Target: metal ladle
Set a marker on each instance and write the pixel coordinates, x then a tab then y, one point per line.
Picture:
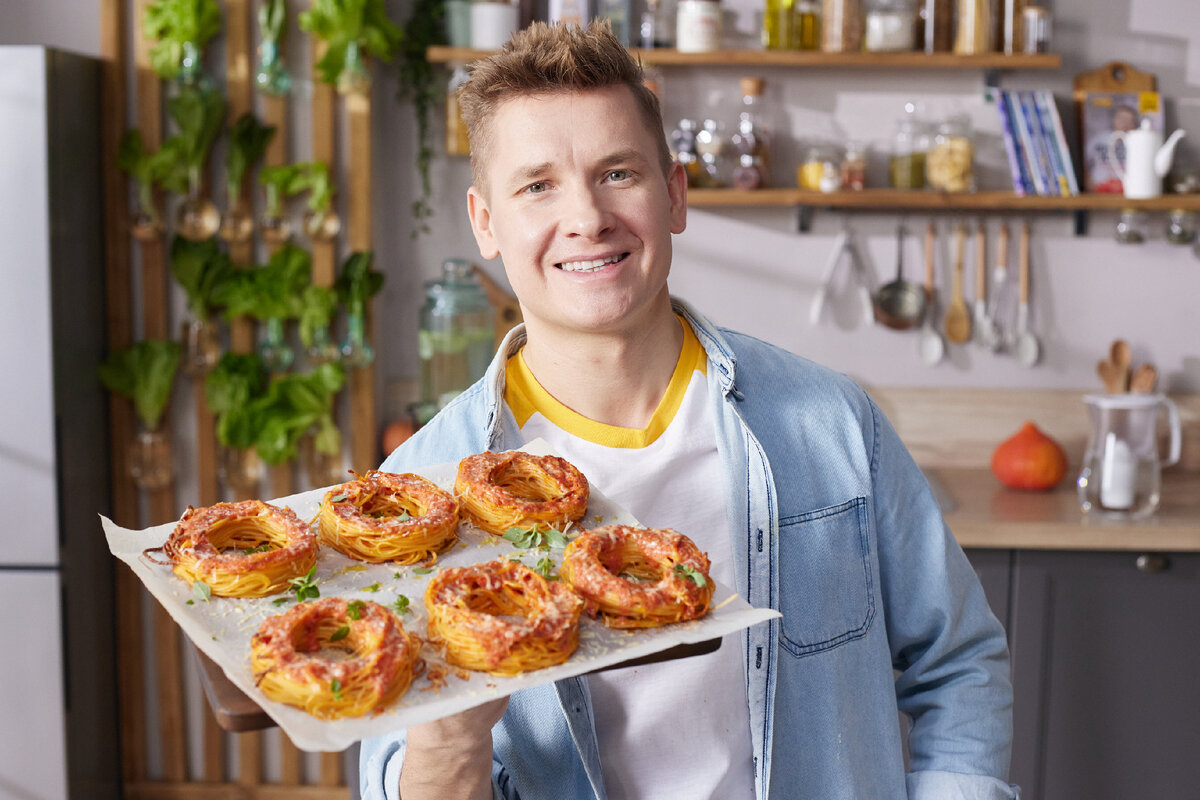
900	304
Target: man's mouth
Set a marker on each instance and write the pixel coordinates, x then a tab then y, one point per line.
592	265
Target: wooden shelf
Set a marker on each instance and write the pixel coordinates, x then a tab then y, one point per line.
886	199
816	60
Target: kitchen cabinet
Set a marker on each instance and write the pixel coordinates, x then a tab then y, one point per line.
1104	652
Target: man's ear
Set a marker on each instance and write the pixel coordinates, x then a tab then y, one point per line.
481	224
677	192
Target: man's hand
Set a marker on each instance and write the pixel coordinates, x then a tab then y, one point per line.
451	758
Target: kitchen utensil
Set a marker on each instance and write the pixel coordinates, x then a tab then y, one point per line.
1112	377
1144	379
1147	159
900	304
1121	473
985	328
958	318
1026	345
843	245
1001	294
930	346
1121	356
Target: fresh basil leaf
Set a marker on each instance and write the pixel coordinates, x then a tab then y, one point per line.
694	575
354	609
423	570
338	498
374	587
201	591
340	633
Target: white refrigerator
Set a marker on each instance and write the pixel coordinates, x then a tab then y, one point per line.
58	729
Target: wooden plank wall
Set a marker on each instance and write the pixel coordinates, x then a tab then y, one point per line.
160	759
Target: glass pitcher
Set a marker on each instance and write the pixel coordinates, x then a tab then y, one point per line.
456	338
1122	472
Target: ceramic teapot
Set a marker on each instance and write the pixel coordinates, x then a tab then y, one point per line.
1147	159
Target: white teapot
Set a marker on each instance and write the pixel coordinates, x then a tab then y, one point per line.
1147	159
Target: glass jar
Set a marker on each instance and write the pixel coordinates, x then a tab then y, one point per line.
1181	226
457	141
910	144
748	174
854	167
698	26
201	346
821	169
974	34
806	25
457	333
949	166
710	146
841	26
777	24
889	26
753	134
150	463
935	26
239	471
1131	226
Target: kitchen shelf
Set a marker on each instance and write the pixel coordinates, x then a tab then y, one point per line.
901	199
806	59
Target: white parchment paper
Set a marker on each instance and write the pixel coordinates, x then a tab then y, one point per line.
221	627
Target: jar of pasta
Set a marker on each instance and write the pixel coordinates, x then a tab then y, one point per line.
949	166
890	26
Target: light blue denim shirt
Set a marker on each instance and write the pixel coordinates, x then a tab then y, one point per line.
833	525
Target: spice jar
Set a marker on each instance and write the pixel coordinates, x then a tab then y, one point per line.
1181	226
854	167
890	26
841	26
949	164
910	143
698	26
974	27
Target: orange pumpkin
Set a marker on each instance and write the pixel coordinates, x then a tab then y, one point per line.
1029	460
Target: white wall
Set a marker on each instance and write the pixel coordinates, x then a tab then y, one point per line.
749	269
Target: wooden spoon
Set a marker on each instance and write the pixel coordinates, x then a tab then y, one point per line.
1121	356
958	316
1112	376
1144	379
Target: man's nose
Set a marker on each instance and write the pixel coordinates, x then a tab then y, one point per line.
587	213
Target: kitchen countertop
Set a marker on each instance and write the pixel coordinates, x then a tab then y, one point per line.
983	513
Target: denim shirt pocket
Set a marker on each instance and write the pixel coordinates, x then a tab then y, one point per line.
826	590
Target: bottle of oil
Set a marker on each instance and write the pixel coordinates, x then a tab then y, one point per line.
805	25
777	24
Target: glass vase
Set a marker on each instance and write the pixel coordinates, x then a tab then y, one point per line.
237	223
191	67
150	460
322	469
272	76
197	218
322	349
356	350
322	226
276	354
275	227
354	77
239	471
145	223
201	346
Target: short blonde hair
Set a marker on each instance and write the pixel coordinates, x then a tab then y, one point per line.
547	59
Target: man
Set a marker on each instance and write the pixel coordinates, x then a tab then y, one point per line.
783	471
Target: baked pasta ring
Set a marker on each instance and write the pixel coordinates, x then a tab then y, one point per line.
293	659
667	579
243	549
499	491
384	516
502	617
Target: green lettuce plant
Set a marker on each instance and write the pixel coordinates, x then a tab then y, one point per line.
144	373
248	142
348	28
294	405
149	169
201	268
179	30
232	389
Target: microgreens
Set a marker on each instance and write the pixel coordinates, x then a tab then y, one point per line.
545	567
401	604
306	587
694	575
335	686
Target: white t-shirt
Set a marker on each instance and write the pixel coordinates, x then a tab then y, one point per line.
678	728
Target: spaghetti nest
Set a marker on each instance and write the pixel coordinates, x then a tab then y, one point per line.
638	577
388	517
334	658
502	617
518	490
243	549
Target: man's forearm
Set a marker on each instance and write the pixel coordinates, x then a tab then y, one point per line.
447	771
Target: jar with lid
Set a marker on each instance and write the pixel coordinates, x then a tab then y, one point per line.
841	26
974	31
890	26
854	167
1181	226
698	26
456	339
935	26
910	144
753	133
949	166
821	169
748	174
710	146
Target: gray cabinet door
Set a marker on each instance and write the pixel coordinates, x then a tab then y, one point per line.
1106	671
994	568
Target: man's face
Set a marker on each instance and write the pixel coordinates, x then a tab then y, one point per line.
577	204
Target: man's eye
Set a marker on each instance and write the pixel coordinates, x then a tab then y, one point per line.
618	174
536	188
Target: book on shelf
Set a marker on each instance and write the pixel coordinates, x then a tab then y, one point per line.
1041	155
1039	160
1022	185
1058	141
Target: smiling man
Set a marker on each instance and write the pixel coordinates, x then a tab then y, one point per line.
783	471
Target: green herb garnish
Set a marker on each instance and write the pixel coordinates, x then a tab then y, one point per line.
338	498
423	570
278	601
340	633
201	591
335	686
306	587
529	538
354	609
401	604
545	567
694	575
374	587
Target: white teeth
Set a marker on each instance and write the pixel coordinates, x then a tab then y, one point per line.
588	266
